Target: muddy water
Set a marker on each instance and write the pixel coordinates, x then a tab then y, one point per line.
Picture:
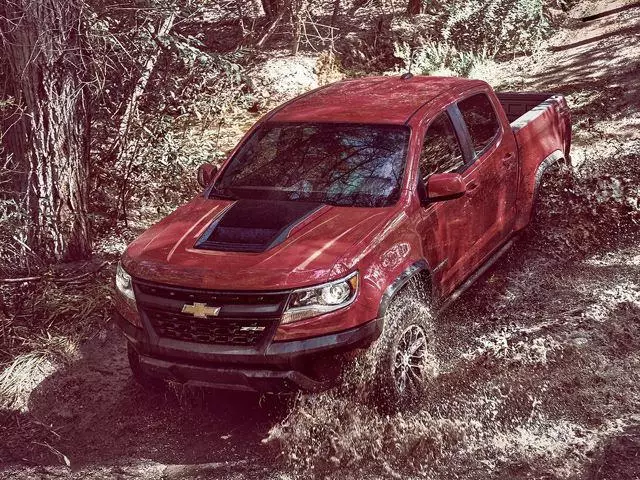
538	362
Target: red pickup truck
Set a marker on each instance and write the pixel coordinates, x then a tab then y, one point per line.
304	239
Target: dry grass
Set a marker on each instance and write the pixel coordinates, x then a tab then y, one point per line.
42	327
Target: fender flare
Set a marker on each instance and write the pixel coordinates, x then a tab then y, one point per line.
417	267
553	158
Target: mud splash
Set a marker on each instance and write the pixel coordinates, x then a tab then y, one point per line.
538	362
591	210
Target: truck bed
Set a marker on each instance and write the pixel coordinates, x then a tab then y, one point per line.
516	105
541	123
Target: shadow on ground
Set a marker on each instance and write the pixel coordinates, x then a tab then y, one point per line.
94	413
595	64
620	458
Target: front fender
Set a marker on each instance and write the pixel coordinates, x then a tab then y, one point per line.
416	268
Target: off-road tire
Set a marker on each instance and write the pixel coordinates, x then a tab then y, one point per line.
147	382
405	365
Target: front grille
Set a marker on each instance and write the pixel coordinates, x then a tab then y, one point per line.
243	319
210	296
205	330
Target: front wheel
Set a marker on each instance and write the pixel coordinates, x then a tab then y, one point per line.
406	365
410	360
401	365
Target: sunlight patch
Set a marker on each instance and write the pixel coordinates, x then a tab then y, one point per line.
564	445
607	300
21	377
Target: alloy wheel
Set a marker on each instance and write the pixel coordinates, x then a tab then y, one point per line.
410	360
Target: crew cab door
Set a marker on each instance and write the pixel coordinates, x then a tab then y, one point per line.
444	225
459	234
491	174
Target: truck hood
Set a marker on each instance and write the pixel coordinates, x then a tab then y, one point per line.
182	249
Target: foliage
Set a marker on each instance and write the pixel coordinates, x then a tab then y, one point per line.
174	127
438	58
15	255
463	34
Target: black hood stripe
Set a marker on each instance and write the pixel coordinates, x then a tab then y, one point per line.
254	225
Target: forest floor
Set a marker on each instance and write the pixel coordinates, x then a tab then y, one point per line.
540	359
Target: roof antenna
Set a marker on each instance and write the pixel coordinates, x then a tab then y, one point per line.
408	75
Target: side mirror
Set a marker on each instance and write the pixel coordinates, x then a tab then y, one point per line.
444	186
205	174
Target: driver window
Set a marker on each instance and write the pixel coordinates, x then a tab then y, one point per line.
441	151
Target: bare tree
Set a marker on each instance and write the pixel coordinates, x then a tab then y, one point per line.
293	11
299	10
49	140
122	150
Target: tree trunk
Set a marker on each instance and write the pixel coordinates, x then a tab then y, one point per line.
415	7
336	12
50	140
271	8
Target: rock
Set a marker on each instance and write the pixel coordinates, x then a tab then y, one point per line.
64	413
283	78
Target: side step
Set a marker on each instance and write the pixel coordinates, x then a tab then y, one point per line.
475	275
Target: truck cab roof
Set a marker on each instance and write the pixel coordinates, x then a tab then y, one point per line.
370	100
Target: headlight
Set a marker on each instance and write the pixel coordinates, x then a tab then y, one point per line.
309	302
123	283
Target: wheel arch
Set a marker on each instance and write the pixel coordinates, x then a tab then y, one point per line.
418	269
554	158
531	185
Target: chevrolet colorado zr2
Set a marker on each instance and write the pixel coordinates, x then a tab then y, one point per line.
298	250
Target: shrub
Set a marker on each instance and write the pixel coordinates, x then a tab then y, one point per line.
439	58
465	33
15	255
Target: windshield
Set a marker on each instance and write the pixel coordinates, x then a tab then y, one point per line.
339	164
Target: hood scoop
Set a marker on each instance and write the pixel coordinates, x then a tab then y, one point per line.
254	225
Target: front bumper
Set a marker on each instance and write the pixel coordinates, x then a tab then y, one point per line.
285	366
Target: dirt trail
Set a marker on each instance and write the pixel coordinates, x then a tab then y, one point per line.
545	382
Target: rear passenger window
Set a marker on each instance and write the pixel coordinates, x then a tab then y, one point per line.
440	151
481	120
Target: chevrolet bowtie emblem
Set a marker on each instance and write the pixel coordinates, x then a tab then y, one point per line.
201	310
252	329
